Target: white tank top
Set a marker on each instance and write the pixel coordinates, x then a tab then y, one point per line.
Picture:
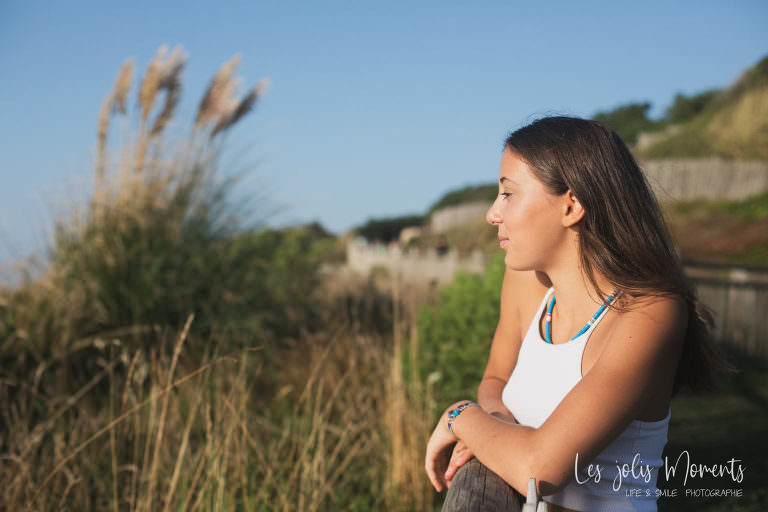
543	375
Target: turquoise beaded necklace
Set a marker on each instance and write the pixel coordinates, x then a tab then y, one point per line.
548	325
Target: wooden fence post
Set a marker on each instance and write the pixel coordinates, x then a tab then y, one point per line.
475	488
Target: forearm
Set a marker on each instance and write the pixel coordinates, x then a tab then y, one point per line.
489	397
509	450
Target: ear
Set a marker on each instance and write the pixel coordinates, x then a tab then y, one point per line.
572	209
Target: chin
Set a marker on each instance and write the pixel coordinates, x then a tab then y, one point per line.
514	264
510	263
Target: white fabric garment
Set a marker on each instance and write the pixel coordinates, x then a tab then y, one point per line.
543	376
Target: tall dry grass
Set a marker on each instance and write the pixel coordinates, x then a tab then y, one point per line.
162	237
344	430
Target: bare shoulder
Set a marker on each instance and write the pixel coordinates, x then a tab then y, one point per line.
515	293
657	310
653	327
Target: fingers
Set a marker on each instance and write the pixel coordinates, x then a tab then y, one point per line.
434	478
453	468
449	474
439	448
435	463
461	456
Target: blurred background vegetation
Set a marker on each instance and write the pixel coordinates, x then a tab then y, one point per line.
728	123
176	354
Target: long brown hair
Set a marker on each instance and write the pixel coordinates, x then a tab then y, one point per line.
622	235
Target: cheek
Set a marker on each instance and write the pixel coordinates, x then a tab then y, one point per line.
516	220
528	227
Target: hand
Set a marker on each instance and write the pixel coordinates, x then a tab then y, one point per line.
440	467
439	452
461	455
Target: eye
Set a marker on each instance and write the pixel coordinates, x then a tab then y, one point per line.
506	194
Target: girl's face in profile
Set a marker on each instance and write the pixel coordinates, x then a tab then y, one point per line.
527	217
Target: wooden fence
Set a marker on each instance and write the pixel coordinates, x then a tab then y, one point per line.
738	297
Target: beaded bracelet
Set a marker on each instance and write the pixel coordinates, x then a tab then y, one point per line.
453	413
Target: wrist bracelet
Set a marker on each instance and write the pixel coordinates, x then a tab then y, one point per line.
453	413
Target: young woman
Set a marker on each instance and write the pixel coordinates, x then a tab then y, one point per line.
598	328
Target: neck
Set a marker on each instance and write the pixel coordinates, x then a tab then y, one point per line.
576	298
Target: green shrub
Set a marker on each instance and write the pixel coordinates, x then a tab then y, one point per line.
387	230
629	121
684	108
455	334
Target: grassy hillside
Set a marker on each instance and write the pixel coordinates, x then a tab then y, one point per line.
467	195
734	232
733	124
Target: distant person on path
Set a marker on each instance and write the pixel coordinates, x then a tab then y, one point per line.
598	328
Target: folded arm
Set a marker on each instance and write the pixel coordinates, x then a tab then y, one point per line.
644	347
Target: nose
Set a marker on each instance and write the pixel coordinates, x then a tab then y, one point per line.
492	216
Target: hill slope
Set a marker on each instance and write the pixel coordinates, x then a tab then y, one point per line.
733	124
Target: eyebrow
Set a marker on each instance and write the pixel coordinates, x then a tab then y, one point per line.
501	180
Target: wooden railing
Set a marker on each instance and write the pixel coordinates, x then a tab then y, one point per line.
475	488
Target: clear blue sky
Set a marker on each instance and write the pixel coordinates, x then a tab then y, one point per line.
375	108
